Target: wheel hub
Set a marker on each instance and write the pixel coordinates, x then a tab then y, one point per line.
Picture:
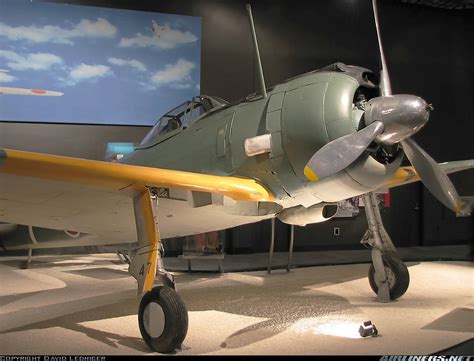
154	319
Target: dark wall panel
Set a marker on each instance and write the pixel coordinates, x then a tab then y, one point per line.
83	141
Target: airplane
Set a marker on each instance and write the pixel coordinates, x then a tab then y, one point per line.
156	28
291	152
22	91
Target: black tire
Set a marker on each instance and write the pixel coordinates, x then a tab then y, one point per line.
175	319
398	280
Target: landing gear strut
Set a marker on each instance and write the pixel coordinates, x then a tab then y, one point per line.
26	264
162	315
388	275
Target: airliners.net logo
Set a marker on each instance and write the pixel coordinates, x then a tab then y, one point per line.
427	358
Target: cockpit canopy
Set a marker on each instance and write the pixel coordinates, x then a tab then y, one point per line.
183	116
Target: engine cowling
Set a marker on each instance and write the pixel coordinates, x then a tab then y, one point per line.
320	107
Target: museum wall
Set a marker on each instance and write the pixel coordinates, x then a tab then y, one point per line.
429	53
72	140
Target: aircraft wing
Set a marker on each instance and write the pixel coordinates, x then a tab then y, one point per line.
38	92
95	197
405	175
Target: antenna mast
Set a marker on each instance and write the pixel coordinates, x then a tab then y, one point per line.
257	52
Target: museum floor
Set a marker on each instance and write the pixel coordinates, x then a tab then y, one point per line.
88	305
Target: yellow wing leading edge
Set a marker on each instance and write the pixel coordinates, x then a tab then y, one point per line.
124	176
406	175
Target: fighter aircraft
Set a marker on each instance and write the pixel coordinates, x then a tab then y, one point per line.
292	152
22	91
156	28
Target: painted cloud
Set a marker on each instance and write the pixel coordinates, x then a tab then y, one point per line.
99	28
6	78
35	61
177	75
135	64
88	72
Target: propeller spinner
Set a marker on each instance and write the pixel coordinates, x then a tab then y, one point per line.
389	119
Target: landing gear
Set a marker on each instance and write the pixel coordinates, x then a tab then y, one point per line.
388	275
122	257
162	315
163	319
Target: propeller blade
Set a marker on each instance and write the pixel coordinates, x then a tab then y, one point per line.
341	152
385	86
432	176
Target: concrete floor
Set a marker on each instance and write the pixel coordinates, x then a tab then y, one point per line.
87	305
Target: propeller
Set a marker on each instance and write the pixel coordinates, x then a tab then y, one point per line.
432	176
389	119
336	155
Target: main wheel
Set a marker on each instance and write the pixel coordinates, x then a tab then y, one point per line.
397	274
163	319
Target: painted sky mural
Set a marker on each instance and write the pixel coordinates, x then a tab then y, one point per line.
110	65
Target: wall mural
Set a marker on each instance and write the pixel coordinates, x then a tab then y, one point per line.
112	66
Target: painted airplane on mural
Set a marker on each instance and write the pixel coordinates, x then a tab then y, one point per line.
156	28
291	152
22	91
